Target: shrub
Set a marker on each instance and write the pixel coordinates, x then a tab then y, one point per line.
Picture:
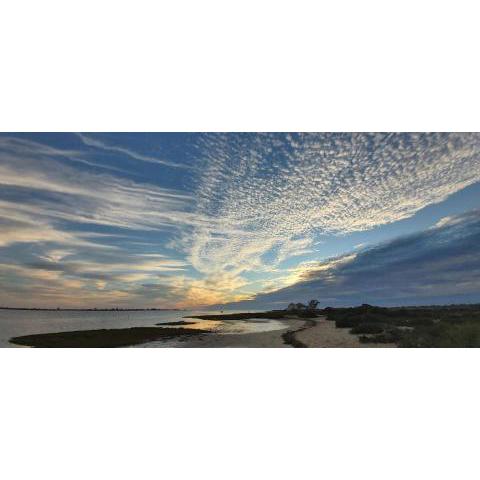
306	314
444	335
367	328
347	322
393	335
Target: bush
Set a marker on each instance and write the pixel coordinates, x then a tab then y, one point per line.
449	326
347	322
367	328
350	320
415	322
391	336
444	335
306	314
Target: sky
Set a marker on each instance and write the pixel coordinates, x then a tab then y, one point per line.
245	220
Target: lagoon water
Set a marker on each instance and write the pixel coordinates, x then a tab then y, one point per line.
15	323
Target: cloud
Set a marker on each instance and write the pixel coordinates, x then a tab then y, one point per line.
250	204
40	190
101	283
51	207
276	192
31	230
24	147
93	142
439	265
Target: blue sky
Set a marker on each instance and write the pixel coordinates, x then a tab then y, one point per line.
252	220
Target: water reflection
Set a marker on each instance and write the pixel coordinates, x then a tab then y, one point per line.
231	327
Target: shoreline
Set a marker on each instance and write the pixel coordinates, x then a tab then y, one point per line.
290	337
265	339
314	332
298	332
365	326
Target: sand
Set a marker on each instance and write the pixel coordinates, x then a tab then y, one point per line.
325	335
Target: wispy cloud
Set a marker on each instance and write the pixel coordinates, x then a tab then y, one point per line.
24	147
47	189
54	208
90	141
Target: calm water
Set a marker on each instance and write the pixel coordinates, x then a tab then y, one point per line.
14	323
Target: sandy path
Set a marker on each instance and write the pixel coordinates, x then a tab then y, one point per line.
325	335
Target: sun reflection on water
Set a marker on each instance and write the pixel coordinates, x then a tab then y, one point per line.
238	326
232	326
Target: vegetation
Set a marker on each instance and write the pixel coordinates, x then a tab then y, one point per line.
179	322
368	328
448	326
444	335
103	338
272	315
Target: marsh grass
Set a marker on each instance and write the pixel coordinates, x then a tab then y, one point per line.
447	327
104	338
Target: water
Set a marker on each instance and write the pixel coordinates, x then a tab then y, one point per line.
14	323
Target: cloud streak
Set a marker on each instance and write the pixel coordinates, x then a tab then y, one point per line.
94	142
40	189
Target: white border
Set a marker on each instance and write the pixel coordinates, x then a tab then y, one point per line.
216	414
239	66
